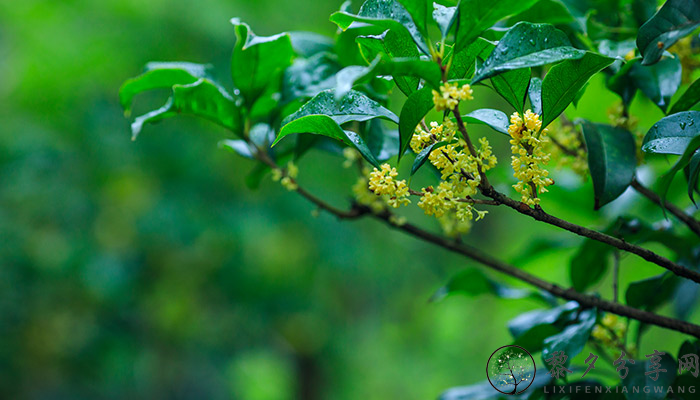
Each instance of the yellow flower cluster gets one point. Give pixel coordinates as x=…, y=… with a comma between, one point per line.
x=287, y=178
x=460, y=176
x=574, y=156
x=365, y=197
x=382, y=183
x=527, y=140
x=450, y=95
x=610, y=331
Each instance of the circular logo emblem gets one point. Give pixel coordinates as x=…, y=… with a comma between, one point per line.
x=511, y=369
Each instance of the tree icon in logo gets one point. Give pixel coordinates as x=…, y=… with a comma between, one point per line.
x=511, y=369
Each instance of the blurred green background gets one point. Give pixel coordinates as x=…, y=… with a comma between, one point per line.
x=149, y=270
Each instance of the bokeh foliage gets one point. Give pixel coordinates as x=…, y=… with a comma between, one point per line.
x=150, y=270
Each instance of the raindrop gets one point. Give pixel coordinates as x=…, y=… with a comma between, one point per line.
x=682, y=125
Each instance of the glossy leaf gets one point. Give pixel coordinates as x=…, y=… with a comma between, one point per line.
x=420, y=13
x=611, y=160
x=387, y=14
x=573, y=338
x=672, y=134
x=306, y=77
x=688, y=99
x=464, y=61
x=564, y=80
x=258, y=61
x=391, y=45
x=528, y=45
x=414, y=109
x=638, y=293
x=160, y=75
x=476, y=16
x=659, y=82
x=667, y=178
x=355, y=106
x=496, y=119
x=693, y=175
x=473, y=282
x=675, y=19
x=484, y=390
x=638, y=378
x=523, y=323
x=444, y=17
x=350, y=76
x=326, y=126
x=201, y=99
x=534, y=94
x=589, y=264
x=308, y=44
x=512, y=86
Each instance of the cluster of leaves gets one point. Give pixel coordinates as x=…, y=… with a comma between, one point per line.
x=333, y=93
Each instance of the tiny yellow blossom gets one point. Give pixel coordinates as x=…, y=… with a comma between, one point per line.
x=527, y=140
x=450, y=95
x=383, y=183
x=287, y=178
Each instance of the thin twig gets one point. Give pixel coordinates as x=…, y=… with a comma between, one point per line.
x=692, y=223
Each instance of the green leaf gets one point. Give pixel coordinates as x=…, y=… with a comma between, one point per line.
x=463, y=62
x=160, y=75
x=475, y=16
x=672, y=134
x=258, y=61
x=444, y=17
x=528, y=45
x=326, y=126
x=523, y=323
x=350, y=76
x=689, y=98
x=308, y=44
x=355, y=106
x=611, y=160
x=202, y=99
x=693, y=173
x=387, y=14
x=391, y=45
x=573, y=338
x=651, y=293
x=474, y=282
x=637, y=378
x=512, y=86
x=309, y=76
x=544, y=11
x=675, y=19
x=534, y=93
x=564, y=80
x=589, y=264
x=667, y=178
x=659, y=82
x=422, y=157
x=496, y=119
x=420, y=14
x=414, y=109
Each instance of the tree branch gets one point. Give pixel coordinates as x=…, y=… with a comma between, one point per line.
x=540, y=215
x=495, y=264
x=692, y=223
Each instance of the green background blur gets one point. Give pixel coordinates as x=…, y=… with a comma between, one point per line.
x=149, y=270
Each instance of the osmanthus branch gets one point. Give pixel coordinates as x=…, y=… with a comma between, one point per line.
x=540, y=215
x=682, y=216
x=568, y=294
x=495, y=264
x=692, y=223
